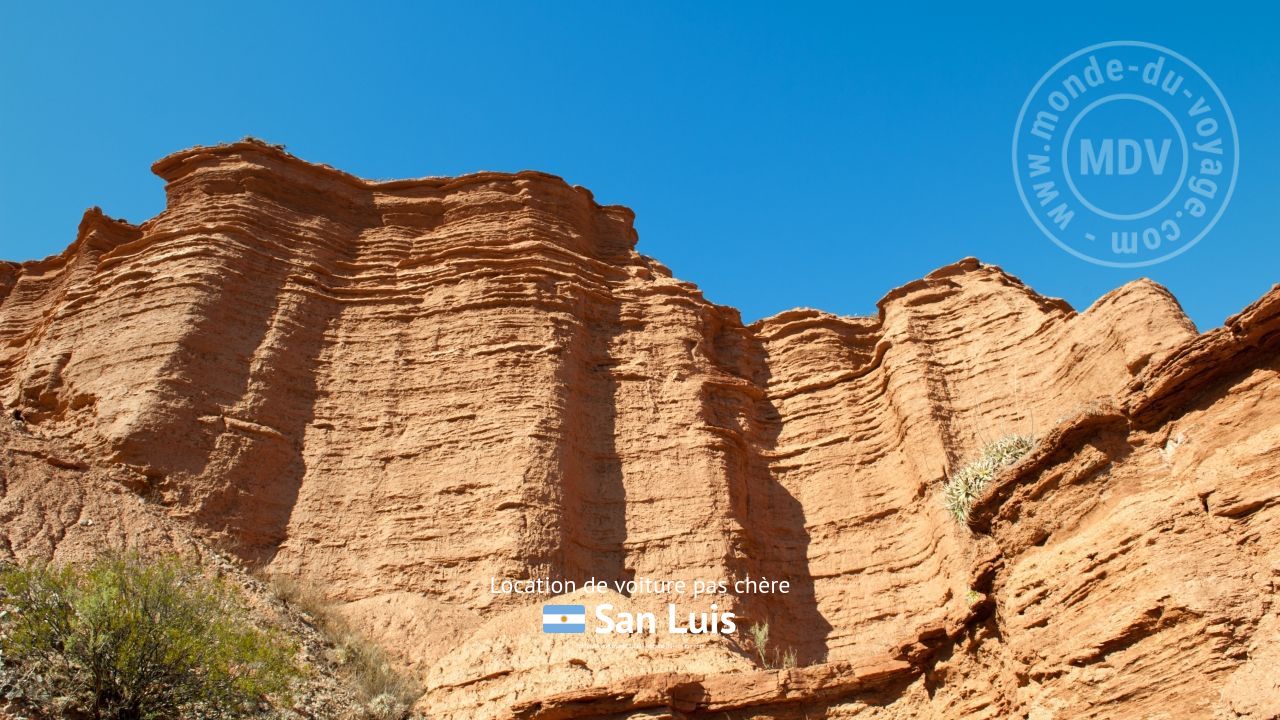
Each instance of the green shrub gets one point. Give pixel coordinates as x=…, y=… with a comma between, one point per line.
x=128, y=639
x=968, y=482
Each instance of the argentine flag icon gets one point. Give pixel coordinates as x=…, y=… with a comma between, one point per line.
x=564, y=618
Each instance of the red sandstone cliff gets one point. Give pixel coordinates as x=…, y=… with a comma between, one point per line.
x=400, y=389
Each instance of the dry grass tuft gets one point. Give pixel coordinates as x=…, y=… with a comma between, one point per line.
x=384, y=693
x=968, y=482
x=770, y=658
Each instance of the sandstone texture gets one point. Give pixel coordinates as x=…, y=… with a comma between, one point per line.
x=399, y=390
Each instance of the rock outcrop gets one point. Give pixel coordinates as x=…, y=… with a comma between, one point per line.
x=399, y=390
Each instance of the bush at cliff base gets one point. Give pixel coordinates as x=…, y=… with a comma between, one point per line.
x=128, y=639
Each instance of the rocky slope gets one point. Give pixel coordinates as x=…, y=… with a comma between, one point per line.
x=398, y=390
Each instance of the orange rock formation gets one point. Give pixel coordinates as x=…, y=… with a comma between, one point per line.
x=399, y=390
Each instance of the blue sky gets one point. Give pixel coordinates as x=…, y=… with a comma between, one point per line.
x=776, y=155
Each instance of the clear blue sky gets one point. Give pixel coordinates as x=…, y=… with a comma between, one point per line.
x=777, y=156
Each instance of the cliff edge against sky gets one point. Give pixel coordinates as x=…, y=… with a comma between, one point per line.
x=399, y=390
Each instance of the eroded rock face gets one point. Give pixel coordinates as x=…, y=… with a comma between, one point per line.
x=401, y=389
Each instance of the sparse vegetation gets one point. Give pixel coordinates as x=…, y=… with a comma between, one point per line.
x=383, y=692
x=968, y=482
x=770, y=658
x=130, y=639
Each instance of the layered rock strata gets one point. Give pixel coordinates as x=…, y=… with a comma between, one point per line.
x=399, y=390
